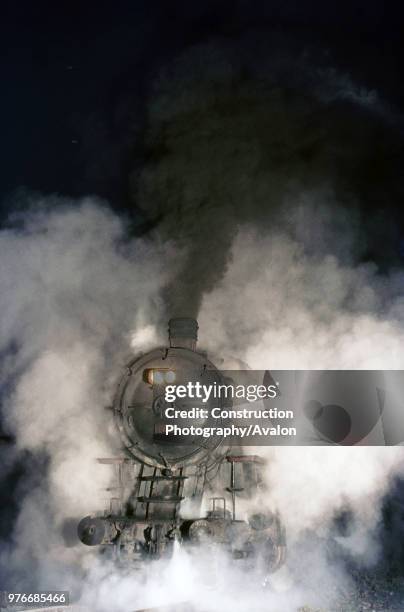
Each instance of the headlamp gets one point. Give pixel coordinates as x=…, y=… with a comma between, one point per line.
x=159, y=376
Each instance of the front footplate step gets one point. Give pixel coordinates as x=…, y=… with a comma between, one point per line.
x=160, y=500
x=161, y=478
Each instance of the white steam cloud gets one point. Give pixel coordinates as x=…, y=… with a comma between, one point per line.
x=72, y=289
x=279, y=308
x=77, y=294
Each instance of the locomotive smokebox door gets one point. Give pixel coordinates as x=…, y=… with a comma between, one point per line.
x=140, y=405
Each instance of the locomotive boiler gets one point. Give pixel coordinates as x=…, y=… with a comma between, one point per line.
x=164, y=482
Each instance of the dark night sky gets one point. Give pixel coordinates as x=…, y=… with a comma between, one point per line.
x=76, y=76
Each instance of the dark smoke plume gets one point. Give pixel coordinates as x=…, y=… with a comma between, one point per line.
x=247, y=133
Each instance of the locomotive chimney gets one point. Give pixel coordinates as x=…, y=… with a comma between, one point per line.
x=183, y=333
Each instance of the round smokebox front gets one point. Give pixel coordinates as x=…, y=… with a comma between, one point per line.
x=143, y=413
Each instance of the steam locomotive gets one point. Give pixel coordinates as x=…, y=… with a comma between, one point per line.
x=163, y=482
